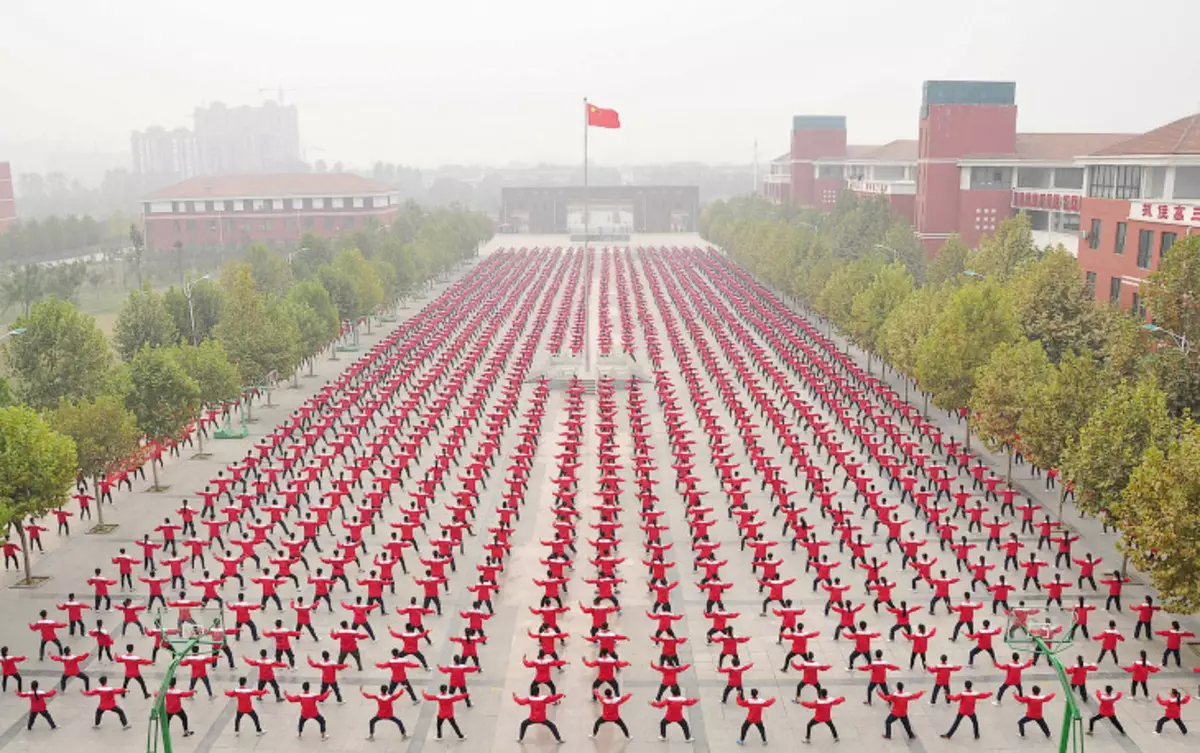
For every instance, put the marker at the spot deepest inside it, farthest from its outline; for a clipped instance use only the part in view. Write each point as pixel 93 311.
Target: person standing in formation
pixel 385 700
pixel 245 696
pixel 754 710
pixel 822 713
pixel 537 713
pixel 610 711
pixel 1172 711
pixel 37 704
pixel 308 708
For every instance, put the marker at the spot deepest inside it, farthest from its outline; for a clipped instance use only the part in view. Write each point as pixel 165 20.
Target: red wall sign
pixel 1055 202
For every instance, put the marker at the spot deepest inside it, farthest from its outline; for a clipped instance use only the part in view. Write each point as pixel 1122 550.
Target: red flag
pixel 602 118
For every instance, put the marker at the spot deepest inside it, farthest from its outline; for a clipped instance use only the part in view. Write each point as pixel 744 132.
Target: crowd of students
pixel 746 391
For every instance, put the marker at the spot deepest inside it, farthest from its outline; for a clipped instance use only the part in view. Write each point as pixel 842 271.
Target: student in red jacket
pixel 1172 711
pixel 1140 671
pixel 385 701
pixel 70 663
pixel 610 711
pixel 754 710
pixel 966 708
pixel 245 696
pixel 445 713
pixel 308 708
pixel 1145 612
pixel 1033 710
pixel 822 713
pixel 108 702
pixel 674 705
pixel 8 668
pixel 173 703
pixel 537 713
pixel 1108 709
pixel 1174 636
pixel 37 704
pixel 899 710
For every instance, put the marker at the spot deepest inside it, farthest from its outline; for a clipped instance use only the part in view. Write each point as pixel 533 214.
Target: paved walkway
pixel 491 724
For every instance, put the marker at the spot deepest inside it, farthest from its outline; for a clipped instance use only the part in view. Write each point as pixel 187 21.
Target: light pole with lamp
pixel 1180 340
pixel 187 292
pixel 895 254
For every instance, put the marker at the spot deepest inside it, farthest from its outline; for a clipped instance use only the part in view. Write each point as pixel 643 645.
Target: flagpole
pixel 587 342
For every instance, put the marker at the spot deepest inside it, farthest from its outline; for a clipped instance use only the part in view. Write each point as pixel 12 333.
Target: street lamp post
pixel 895 254
pixel 187 292
pixel 1180 340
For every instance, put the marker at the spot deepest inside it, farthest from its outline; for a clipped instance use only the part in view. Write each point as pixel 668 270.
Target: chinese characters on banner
pixel 1055 202
pixel 1171 212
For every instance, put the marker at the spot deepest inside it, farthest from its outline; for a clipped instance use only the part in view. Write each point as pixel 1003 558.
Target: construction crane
pixel 279 90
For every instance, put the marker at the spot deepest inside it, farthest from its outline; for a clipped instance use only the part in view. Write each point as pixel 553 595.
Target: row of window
pixel 346 222
pixel 287 205
pixel 1115 284
pixel 1145 247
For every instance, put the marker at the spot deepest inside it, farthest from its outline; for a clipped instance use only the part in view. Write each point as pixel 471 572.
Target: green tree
pixel 908 322
pixel 1054 305
pixel 1058 407
pixel 1129 420
pixel 37 470
pixel 270 270
pixel 246 331
pixel 1161 520
pixel 59 353
pixel 317 318
pixel 1003 253
pixel 975 319
pixel 1001 396
pixel 363 280
pixel 143 320
pixel 874 304
pixel 162 397
pixel 949 263
pixel 105 434
pixel 1171 291
pixel 216 377
pixel 901 245
pixel 847 280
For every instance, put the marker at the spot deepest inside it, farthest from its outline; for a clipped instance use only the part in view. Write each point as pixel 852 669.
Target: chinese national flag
pixel 602 118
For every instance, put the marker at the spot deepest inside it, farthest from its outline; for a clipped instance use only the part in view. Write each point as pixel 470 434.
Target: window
pixel 369 203
pixel 829 171
pixel 309 223
pixel 289 224
pixel 1116 182
pixel 889 172
pixel 1145 248
pixel 1156 178
pixel 287 204
pixel 189 206
pixel 191 226
pixel 1114 290
pixel 209 206
pixel 1187 183
pixel 1091 284
pixel 348 222
pixel 268 225
pixel 174 207
pixel 307 204
pixel 1064 222
pixel 1039 220
pixel 330 223
pixel 177 227
pixel 227 206
pixel 1094 234
pixel 1119 246
pixel 1168 240
pixel 1033 177
pixel 229 226
pixel 991 178
pixel 1068 177
pixel 1137 306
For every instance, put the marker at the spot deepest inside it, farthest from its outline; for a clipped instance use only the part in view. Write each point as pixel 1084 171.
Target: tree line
pixel 76 405
pixel 1010 337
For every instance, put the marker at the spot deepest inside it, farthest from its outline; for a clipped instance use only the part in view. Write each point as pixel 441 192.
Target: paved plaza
pixel 674 292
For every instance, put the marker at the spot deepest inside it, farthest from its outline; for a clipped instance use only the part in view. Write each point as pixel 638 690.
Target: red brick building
pixel 8 205
pixel 235 210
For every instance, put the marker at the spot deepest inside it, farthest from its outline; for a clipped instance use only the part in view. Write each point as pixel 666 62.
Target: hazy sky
pixel 462 81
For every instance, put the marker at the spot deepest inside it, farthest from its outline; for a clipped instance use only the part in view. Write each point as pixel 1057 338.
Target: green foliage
pixel 208 305
pixel 61 353
pixel 316 317
pixel 874 304
pixel 846 282
pixel 1054 306
pixel 1058 407
pixel 975 319
pixel 162 397
pixel 1161 520
pixel 284 352
pixel 216 377
pixel 1130 419
pixel 143 321
pixel 949 263
pixel 37 469
pixel 104 431
pixel 1003 388
pixel 1003 253
pixel 270 270
pixel 908 250
pixel 249 335
pixel 907 324
pixel 1172 292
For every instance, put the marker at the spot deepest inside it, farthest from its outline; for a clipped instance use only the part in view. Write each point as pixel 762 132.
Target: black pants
pixel 547 723
pixel 205 680
pixel 337 692
pixel 762 731
pixel 619 722
pixel 182 717
pixel 87 681
pixel 892 719
pixel 237 720
pixel 813 722
pixel 1140 626
pixel 1026 720
pixel 4 683
pixel 376 719
pixel 871 689
pixel 407 686
pixel 536 685
pixel 663 689
pixel 683 725
pixel 730 689
pixel 141 683
pixel 274 686
pixel 33 715
pixel 1113 719
pixel 355 653
pixel 320 720
pixel 1005 686
pixel 1178 723
pixel 116 710
pixel 42 648
pixel 1168 653
pixel 1133 687
pixel 453 725
pixel 958 720
pixel 945 689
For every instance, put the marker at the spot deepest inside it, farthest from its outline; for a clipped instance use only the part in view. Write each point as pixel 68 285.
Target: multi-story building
pixel 162 154
pixel 240 140
pixel 8 204
pixel 236 210
pixel 1141 195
